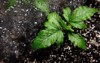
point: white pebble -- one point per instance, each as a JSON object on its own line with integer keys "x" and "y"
{"x": 0, "y": 27}
{"x": 98, "y": 36}
{"x": 22, "y": 9}
{"x": 25, "y": 14}
{"x": 27, "y": 10}
{"x": 5, "y": 29}
{"x": 15, "y": 11}
{"x": 35, "y": 22}
{"x": 1, "y": 20}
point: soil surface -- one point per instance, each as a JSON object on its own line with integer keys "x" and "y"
{"x": 20, "y": 25}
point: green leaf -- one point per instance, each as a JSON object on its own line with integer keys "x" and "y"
{"x": 77, "y": 40}
{"x": 83, "y": 13}
{"x": 69, "y": 28}
{"x": 42, "y": 5}
{"x": 27, "y": 2}
{"x": 47, "y": 37}
{"x": 67, "y": 13}
{"x": 80, "y": 25}
{"x": 60, "y": 37}
{"x": 53, "y": 21}
{"x": 56, "y": 22}
{"x": 10, "y": 3}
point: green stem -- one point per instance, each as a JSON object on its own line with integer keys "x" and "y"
{"x": 66, "y": 27}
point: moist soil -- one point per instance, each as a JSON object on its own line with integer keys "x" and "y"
{"x": 20, "y": 25}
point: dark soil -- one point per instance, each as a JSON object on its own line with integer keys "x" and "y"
{"x": 20, "y": 25}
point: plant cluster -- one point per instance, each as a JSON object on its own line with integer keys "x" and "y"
{"x": 55, "y": 27}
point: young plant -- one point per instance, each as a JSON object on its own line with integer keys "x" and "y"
{"x": 27, "y": 2}
{"x": 42, "y": 5}
{"x": 10, "y": 3}
{"x": 55, "y": 26}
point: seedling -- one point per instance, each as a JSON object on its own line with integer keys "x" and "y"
{"x": 11, "y": 3}
{"x": 42, "y": 5}
{"x": 55, "y": 27}
{"x": 27, "y": 2}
